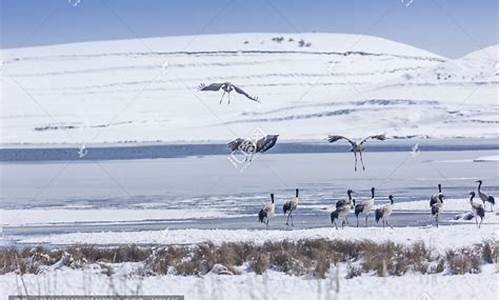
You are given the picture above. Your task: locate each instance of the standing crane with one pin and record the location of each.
(485, 198)
(357, 147)
(267, 212)
(477, 209)
(435, 196)
(384, 212)
(348, 201)
(290, 206)
(365, 207)
(342, 209)
(436, 207)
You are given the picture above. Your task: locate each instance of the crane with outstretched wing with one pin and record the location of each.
(227, 87)
(357, 147)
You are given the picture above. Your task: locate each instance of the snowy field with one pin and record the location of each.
(146, 89)
(271, 285)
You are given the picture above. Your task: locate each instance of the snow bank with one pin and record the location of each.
(442, 238)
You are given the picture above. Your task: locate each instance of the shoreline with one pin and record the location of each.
(149, 150)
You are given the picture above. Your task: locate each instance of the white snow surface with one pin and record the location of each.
(486, 158)
(146, 89)
(13, 217)
(270, 285)
(441, 238)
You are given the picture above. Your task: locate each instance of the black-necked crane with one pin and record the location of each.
(485, 198)
(342, 209)
(383, 213)
(435, 196)
(251, 147)
(267, 212)
(357, 147)
(290, 206)
(365, 208)
(346, 202)
(477, 209)
(436, 207)
(227, 87)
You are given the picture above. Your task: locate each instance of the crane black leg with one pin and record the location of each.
(361, 159)
(355, 162)
(220, 101)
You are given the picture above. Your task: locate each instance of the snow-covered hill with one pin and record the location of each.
(478, 67)
(309, 84)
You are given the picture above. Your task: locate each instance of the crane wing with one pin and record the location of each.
(240, 91)
(380, 137)
(334, 138)
(234, 144)
(266, 143)
(210, 87)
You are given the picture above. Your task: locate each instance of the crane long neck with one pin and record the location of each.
(349, 195)
(471, 197)
(479, 187)
(373, 193)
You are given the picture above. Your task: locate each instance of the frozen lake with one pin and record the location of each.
(204, 190)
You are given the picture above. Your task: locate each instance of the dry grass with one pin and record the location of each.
(489, 253)
(463, 261)
(304, 257)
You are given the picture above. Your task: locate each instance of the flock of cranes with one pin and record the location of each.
(382, 213)
(265, 143)
(251, 147)
(342, 207)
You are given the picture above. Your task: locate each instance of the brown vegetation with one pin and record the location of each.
(304, 257)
